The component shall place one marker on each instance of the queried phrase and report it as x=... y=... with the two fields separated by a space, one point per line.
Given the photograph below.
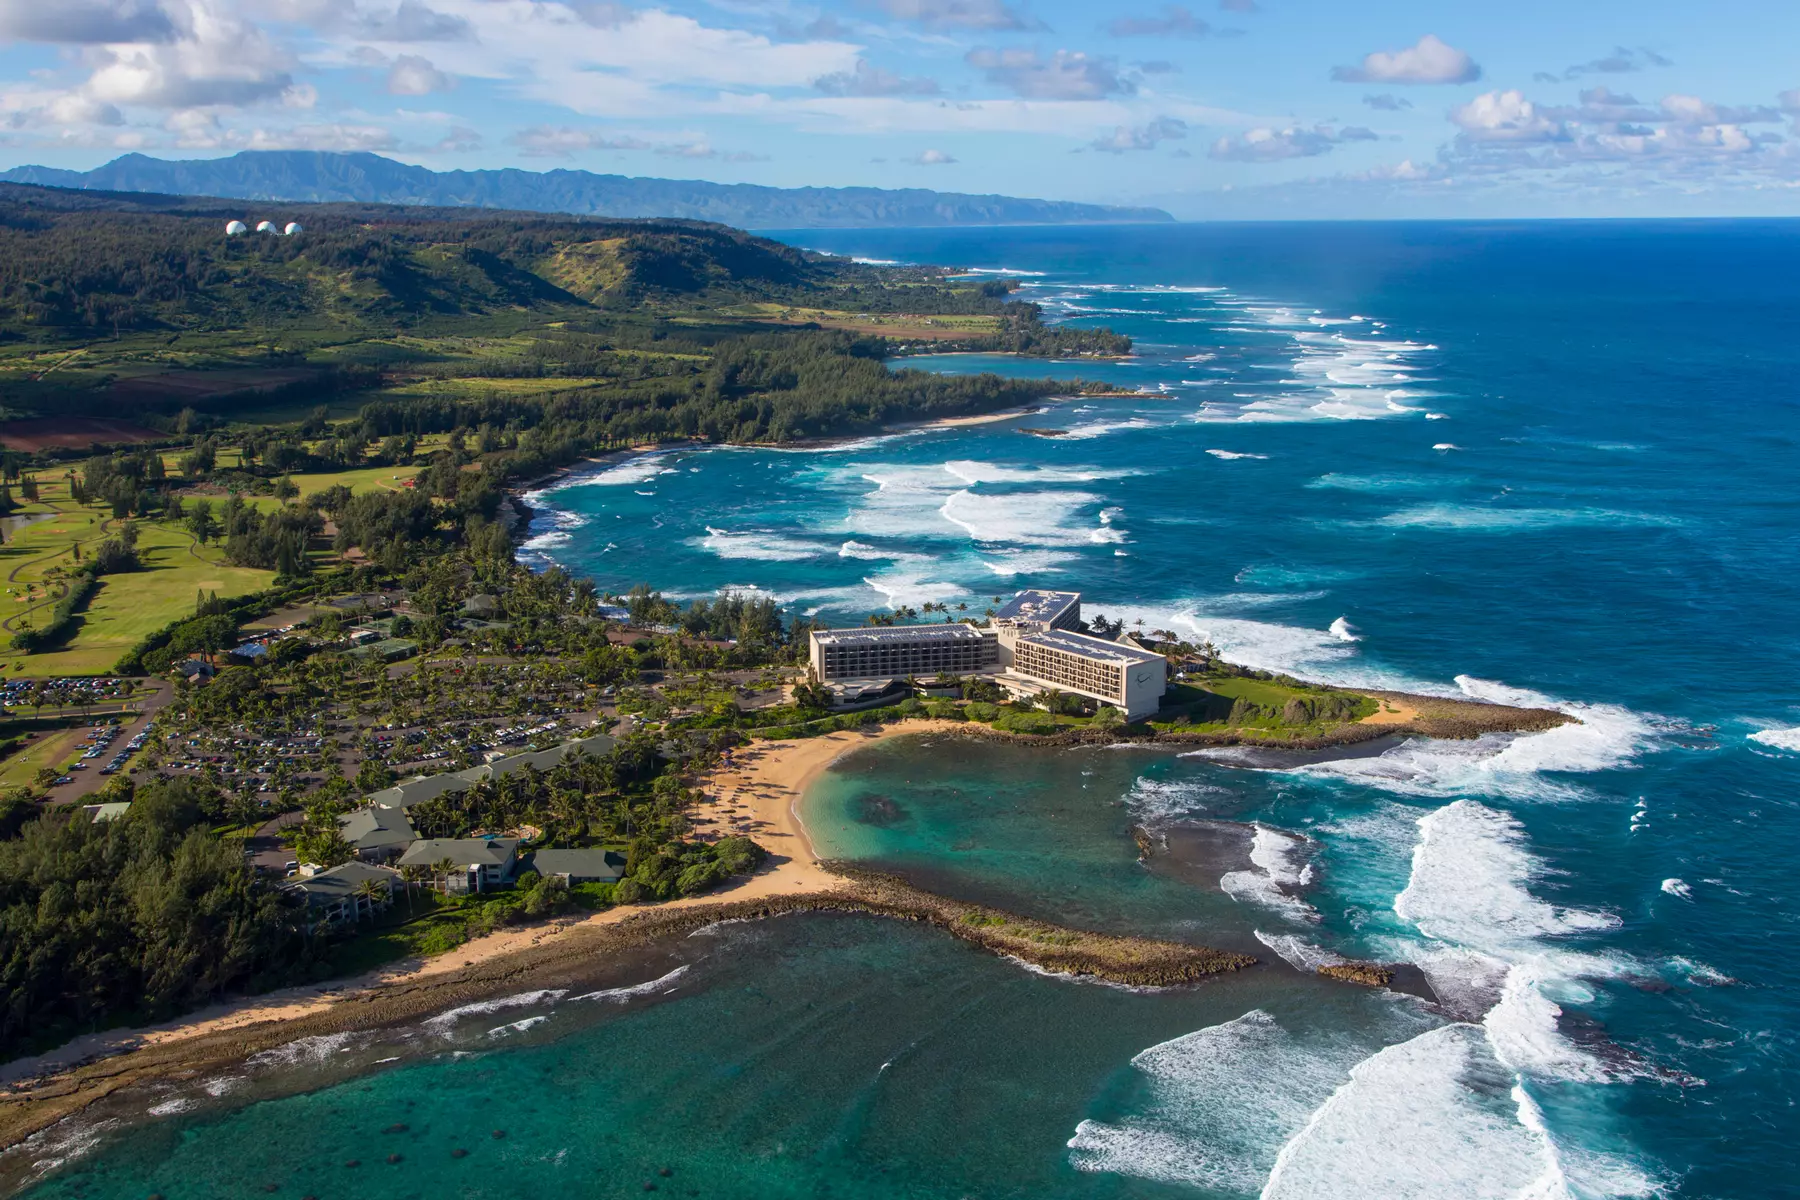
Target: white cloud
x=1066 y=75
x=960 y=14
x=1622 y=60
x=1141 y=137
x=870 y=80
x=542 y=141
x=214 y=58
x=1692 y=110
x=412 y=75
x=1429 y=61
x=931 y=158
x=549 y=52
x=85 y=22
x=1506 y=117
x=1174 y=21
x=1273 y=145
x=413 y=22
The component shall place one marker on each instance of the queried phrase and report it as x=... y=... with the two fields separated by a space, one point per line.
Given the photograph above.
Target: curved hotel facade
x=1034 y=645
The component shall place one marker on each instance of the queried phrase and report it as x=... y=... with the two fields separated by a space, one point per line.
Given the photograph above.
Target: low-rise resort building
x=1033 y=645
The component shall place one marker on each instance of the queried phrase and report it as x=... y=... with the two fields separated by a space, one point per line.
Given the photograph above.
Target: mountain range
x=302 y=175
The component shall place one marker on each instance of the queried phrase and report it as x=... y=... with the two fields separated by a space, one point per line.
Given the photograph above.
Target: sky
x=1213 y=109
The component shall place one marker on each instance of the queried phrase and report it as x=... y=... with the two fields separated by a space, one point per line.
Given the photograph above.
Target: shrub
x=912 y=706
x=739 y=855
x=945 y=710
x=701 y=877
x=981 y=710
x=1027 y=722
x=441 y=938
x=627 y=891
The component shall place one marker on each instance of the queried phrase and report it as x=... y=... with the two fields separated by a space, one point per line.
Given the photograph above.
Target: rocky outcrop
x=1372 y=975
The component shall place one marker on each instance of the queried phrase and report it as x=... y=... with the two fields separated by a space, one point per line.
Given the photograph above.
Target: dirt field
x=66 y=433
x=204 y=385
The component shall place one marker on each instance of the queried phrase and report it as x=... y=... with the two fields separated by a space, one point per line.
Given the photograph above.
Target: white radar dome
x=265 y=227
x=233 y=228
x=294 y=227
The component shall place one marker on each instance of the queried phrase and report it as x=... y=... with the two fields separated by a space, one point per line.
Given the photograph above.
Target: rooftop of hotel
x=876 y=634
x=1038 y=607
x=1090 y=647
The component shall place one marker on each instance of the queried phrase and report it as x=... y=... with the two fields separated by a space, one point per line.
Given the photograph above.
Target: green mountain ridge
x=317 y=176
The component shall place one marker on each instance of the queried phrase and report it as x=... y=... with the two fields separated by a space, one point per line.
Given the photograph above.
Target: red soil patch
x=69 y=433
x=202 y=385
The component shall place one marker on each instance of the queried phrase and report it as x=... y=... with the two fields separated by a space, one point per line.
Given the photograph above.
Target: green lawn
x=57 y=748
x=125 y=607
x=367 y=479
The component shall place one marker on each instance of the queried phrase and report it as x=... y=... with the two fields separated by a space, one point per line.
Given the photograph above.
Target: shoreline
x=759 y=795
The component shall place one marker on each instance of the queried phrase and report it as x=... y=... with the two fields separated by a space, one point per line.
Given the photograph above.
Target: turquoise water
x=1544 y=463
x=802 y=1057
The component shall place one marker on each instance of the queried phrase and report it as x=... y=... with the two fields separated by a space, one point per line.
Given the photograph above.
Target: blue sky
x=1218 y=108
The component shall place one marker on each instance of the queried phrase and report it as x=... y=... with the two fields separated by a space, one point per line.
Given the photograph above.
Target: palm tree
x=412 y=875
x=441 y=871
x=368 y=894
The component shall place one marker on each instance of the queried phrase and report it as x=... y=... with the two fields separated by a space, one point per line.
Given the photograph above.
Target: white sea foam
x=1299 y=953
x=1218 y=1104
x=316 y=1049
x=620 y=995
x=1094 y=429
x=1603 y=737
x=759 y=546
x=1469 y=885
x=445 y=1022
x=1008 y=563
x=1165 y=799
x=1677 y=887
x=1444 y=446
x=1507 y=520
x=1420 y=1121
x=1275 y=877
x=64 y=1142
x=519 y=1026
x=562 y=527
x=1020 y=519
x=973 y=473
x=1469 y=893
x=1388 y=482
x=906 y=588
x=174 y=1106
x=1780 y=739
x=1342 y=630
x=1229 y=455
x=641 y=469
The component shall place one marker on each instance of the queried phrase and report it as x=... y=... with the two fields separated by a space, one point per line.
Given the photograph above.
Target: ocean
x=1546 y=463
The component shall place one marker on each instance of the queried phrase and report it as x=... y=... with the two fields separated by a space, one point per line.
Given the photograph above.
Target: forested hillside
x=143 y=307
x=307 y=175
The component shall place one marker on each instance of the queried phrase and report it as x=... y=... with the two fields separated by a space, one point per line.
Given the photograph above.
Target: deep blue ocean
x=1551 y=463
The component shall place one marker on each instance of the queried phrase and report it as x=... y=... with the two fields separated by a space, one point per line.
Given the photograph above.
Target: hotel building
x=1035 y=645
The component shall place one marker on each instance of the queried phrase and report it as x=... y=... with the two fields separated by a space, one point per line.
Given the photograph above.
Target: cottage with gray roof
x=477 y=863
x=594 y=865
x=335 y=896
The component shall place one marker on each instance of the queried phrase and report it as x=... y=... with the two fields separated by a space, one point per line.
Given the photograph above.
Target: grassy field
x=368 y=479
x=125 y=607
x=899 y=325
x=57 y=748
